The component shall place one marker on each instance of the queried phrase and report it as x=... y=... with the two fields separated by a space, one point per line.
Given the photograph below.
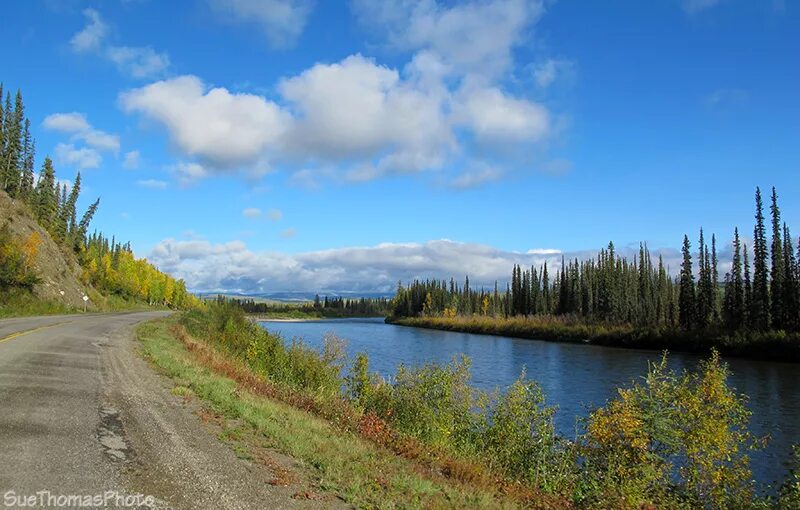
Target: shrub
x=678 y=437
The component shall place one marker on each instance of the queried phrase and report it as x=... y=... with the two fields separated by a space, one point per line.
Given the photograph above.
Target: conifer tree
x=791 y=284
x=748 y=288
x=759 y=305
x=777 y=284
x=686 y=299
x=46 y=195
x=29 y=155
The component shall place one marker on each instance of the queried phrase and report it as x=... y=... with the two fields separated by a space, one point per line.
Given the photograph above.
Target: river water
x=576 y=378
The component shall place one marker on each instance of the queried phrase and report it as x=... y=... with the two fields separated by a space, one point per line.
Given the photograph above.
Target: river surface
x=576 y=378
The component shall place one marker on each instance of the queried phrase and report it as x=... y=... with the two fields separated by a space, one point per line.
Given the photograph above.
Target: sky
x=279 y=145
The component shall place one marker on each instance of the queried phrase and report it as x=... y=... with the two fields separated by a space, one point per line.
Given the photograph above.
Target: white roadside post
x=85 y=299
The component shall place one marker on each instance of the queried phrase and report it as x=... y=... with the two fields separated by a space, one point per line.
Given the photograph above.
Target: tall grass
x=22 y=302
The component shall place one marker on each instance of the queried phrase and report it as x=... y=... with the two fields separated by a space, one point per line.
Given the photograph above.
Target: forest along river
x=576 y=378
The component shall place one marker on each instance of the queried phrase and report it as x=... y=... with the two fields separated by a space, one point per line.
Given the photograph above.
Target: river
x=576 y=378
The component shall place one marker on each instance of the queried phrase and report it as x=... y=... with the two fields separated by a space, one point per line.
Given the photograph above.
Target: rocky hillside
x=59 y=271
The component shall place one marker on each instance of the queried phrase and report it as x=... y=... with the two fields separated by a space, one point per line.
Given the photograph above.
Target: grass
x=341 y=462
x=22 y=303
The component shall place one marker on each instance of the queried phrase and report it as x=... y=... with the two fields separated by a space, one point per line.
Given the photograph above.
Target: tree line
x=109 y=266
x=333 y=306
x=761 y=295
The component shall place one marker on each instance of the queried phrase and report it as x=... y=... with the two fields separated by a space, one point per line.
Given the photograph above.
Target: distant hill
x=298 y=297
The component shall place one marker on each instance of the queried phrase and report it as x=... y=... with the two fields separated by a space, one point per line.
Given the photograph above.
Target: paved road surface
x=82 y=414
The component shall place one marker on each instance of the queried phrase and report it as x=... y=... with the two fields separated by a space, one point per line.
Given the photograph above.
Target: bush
x=16 y=261
x=677 y=438
x=296 y=364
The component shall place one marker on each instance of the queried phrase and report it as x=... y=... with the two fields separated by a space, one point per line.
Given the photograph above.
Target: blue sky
x=291 y=144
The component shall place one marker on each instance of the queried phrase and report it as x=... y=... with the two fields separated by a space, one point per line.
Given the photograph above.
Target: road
x=81 y=414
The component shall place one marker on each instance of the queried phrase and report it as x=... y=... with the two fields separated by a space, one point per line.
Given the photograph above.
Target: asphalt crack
x=111 y=436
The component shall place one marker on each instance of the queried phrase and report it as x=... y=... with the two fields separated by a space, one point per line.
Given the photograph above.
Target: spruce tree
x=46 y=195
x=686 y=298
x=777 y=282
x=748 y=288
x=791 y=284
x=759 y=305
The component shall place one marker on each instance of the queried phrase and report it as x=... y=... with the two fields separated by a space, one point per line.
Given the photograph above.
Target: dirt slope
x=60 y=272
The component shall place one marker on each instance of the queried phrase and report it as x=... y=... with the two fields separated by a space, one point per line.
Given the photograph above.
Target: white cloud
x=497 y=117
x=222 y=129
x=76 y=125
x=473 y=37
x=131 y=160
x=233 y=267
x=358 y=109
x=357 y=120
x=188 y=173
x=275 y=214
x=92 y=35
x=281 y=20
x=73 y=122
x=138 y=62
x=152 y=184
x=251 y=212
x=288 y=233
x=80 y=158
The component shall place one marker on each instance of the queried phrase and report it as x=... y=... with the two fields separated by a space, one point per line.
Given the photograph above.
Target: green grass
x=342 y=463
x=22 y=303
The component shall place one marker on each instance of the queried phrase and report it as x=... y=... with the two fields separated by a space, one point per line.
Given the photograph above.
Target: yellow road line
x=29 y=331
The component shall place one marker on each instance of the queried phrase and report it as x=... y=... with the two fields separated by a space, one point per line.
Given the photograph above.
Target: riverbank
x=427 y=438
x=771 y=346
x=335 y=452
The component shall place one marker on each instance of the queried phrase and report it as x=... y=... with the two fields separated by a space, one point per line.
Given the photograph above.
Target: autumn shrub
x=16 y=260
x=677 y=438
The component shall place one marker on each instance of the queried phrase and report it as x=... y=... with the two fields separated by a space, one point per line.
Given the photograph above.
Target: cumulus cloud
x=359 y=109
x=138 y=62
x=275 y=214
x=473 y=37
x=131 y=160
x=288 y=233
x=76 y=125
x=152 y=184
x=81 y=158
x=233 y=267
x=281 y=20
x=358 y=120
x=251 y=212
x=73 y=122
x=495 y=117
x=222 y=129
